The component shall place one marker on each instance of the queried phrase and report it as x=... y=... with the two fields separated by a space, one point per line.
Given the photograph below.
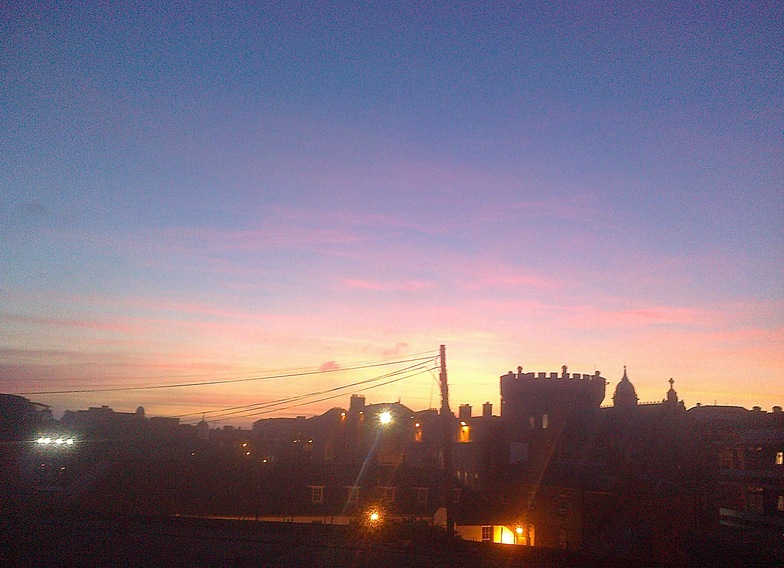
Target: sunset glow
x=210 y=192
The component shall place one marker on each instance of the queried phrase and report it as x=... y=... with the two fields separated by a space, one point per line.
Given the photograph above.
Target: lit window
x=779 y=458
x=465 y=433
x=317 y=494
x=487 y=534
x=353 y=494
x=526 y=537
x=545 y=421
x=421 y=495
x=417 y=432
x=520 y=535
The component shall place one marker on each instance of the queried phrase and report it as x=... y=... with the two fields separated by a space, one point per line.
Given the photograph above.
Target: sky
x=223 y=190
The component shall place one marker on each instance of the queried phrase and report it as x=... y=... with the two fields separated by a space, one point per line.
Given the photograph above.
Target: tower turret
x=625 y=396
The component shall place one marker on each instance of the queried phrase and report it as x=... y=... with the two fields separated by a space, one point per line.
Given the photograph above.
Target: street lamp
x=385 y=417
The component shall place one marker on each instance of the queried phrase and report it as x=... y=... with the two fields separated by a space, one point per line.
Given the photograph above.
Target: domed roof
x=625 y=395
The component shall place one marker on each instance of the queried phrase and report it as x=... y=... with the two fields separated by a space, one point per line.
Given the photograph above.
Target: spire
x=672 y=396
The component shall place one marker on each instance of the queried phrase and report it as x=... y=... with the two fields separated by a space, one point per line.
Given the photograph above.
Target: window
x=524 y=535
x=780 y=503
x=353 y=494
x=740 y=459
x=562 y=508
x=455 y=495
x=779 y=458
x=562 y=539
x=388 y=494
x=754 y=500
x=464 y=435
x=421 y=495
x=317 y=494
x=545 y=421
x=487 y=533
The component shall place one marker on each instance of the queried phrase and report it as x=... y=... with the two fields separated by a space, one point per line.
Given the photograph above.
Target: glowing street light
x=374 y=517
x=49 y=441
x=385 y=417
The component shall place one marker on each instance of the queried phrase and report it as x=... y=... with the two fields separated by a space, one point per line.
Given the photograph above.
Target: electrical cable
x=255 y=406
x=297 y=397
x=227 y=381
x=332 y=396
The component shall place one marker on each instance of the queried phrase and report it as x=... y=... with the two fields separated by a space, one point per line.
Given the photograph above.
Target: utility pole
x=446 y=421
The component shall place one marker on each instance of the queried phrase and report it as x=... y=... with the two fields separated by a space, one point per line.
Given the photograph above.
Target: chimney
x=464 y=412
x=487 y=409
x=357 y=403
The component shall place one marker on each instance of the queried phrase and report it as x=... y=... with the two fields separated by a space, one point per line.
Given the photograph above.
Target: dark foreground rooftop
x=77 y=540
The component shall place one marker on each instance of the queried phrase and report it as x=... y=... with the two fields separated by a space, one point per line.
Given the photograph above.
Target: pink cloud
x=329 y=366
x=395 y=351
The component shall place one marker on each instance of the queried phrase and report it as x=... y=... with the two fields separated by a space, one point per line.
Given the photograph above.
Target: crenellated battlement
x=542 y=390
x=563 y=375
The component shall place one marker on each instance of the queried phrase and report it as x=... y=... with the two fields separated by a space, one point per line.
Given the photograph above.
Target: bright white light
x=385 y=417
x=374 y=516
x=47 y=441
x=507 y=536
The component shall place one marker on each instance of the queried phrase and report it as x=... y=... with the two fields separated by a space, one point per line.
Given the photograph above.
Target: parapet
x=541 y=386
x=542 y=375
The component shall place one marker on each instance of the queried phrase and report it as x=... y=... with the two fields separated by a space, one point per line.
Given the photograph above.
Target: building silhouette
x=555 y=468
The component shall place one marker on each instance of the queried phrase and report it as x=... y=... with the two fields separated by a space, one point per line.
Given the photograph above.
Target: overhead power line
x=255 y=409
x=328 y=397
x=314 y=371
